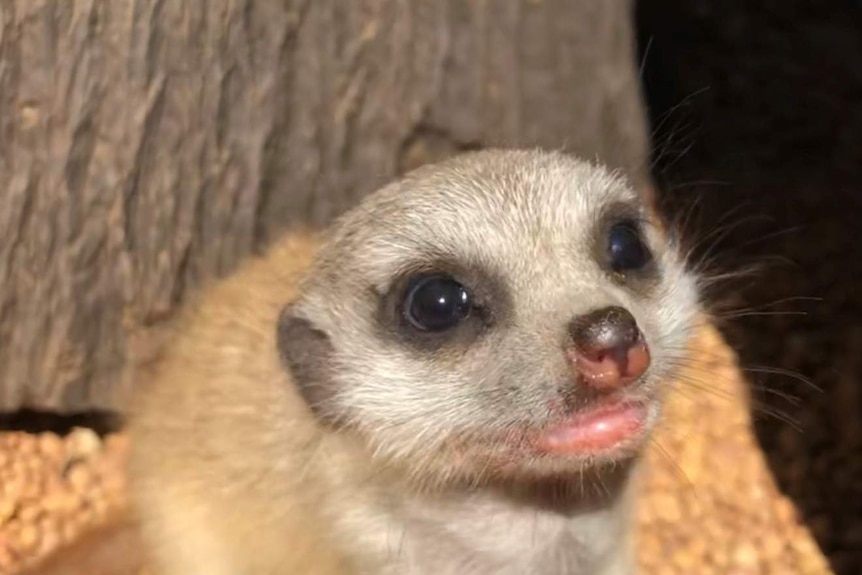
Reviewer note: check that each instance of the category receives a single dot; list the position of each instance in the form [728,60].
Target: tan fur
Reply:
[206,408]
[234,474]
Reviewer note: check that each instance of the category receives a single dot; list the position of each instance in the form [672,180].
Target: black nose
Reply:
[608,350]
[610,328]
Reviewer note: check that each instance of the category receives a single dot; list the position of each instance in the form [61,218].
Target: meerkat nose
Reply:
[609,350]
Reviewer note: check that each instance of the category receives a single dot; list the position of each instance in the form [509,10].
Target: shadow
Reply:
[30,421]
[756,111]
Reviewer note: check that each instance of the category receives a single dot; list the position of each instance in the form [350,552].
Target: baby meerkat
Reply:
[458,380]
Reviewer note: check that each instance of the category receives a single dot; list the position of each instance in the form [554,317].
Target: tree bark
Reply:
[148,145]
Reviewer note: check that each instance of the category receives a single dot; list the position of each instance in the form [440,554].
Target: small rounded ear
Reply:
[307,353]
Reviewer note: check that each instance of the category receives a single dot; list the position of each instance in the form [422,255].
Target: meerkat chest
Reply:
[483,536]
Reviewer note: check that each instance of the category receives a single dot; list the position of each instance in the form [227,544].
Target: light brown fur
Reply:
[249,504]
[256,453]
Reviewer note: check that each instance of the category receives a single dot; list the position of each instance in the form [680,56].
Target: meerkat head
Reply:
[501,314]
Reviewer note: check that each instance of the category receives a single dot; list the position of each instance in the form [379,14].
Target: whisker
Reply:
[690,364]
[760,313]
[677,469]
[755,405]
[785,372]
[642,66]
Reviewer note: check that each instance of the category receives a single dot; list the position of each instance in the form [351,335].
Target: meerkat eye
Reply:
[626,249]
[436,303]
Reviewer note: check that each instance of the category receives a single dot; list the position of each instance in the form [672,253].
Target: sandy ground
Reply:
[710,505]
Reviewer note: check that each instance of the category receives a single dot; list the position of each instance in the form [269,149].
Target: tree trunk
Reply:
[147,145]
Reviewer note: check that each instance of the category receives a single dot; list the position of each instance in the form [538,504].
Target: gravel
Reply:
[710,504]
[53,487]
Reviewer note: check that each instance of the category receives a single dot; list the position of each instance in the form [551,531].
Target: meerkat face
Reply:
[504,313]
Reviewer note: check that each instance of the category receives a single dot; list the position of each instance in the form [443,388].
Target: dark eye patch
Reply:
[621,247]
[436,303]
[627,250]
[442,304]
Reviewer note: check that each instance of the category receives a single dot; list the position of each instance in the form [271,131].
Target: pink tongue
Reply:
[594,431]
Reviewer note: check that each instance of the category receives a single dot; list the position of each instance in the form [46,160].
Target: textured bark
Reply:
[147,145]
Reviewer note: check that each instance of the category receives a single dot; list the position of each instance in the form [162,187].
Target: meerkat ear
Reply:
[306,352]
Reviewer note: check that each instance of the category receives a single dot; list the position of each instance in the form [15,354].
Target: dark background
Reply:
[756,115]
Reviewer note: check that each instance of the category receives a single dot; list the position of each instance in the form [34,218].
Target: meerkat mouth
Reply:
[602,428]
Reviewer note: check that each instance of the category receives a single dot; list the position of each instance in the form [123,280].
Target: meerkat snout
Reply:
[608,349]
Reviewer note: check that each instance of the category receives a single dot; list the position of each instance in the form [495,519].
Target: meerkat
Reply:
[457,378]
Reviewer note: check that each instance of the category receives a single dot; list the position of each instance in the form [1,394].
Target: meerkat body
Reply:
[428,390]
